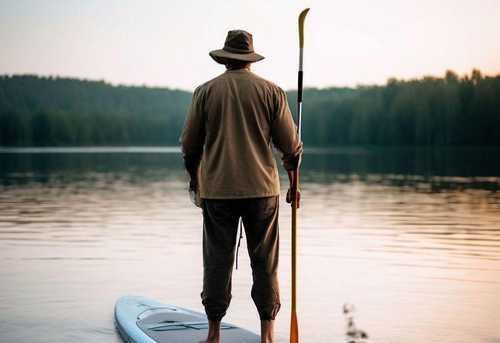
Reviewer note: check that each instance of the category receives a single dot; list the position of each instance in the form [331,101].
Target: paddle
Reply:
[294,327]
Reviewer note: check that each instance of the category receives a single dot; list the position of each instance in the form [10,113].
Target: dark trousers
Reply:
[220,226]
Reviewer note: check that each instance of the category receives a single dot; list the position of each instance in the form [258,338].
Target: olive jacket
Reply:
[232,125]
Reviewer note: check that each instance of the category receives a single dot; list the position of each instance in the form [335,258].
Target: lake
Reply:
[409,237]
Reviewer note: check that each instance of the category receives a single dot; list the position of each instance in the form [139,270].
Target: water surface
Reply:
[410,237]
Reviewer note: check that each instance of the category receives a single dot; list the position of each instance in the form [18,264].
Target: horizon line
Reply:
[149,86]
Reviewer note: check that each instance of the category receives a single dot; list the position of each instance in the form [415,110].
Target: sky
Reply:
[166,43]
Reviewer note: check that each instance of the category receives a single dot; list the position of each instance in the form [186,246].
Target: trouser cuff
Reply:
[215,317]
[269,313]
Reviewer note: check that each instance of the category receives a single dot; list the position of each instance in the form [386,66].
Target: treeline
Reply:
[41,111]
[430,111]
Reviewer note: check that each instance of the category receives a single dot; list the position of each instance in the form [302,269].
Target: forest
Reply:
[451,110]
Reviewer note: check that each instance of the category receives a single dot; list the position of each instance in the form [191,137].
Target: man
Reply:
[233,121]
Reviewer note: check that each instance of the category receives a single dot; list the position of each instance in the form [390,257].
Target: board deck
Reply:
[142,320]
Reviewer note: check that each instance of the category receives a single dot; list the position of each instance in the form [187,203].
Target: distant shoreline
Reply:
[453,111]
[353,150]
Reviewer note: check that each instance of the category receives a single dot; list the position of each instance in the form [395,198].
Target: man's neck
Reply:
[237,68]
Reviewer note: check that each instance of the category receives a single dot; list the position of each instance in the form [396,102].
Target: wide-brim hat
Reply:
[238,46]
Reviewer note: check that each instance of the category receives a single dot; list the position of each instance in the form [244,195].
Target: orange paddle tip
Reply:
[294,329]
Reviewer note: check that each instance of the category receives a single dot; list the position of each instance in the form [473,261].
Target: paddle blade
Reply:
[302,18]
[294,329]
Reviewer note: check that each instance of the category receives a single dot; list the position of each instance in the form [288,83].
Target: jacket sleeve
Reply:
[284,132]
[193,135]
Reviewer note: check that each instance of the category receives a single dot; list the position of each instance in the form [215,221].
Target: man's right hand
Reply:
[193,185]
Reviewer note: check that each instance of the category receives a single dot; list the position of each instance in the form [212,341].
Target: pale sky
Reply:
[166,43]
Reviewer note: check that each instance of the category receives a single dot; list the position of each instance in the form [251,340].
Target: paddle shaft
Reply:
[294,327]
[295,188]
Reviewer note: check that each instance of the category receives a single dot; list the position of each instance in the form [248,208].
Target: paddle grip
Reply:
[299,92]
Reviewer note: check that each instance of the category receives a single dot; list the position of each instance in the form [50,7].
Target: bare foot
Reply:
[213,332]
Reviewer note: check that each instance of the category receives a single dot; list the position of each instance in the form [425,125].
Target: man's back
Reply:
[237,116]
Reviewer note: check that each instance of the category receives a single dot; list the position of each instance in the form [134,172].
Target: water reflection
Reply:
[416,245]
[420,169]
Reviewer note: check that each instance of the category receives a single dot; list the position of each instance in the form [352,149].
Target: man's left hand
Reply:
[289,196]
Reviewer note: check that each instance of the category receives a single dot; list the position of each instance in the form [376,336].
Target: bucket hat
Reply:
[238,46]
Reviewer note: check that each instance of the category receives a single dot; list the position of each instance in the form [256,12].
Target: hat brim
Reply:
[221,56]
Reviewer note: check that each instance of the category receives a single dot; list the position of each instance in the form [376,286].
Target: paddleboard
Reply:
[142,320]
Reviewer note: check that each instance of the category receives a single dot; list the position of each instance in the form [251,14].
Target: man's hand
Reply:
[194,192]
[289,196]
[193,185]
[293,177]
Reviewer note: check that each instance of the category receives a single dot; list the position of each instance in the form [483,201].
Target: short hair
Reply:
[236,64]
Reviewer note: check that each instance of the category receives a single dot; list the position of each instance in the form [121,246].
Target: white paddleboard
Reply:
[142,320]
